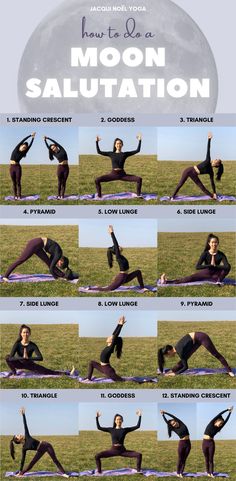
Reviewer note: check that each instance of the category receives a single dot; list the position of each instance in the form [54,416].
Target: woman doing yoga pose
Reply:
[208,443]
[18,153]
[212,265]
[118,159]
[31,444]
[41,246]
[185,348]
[184,446]
[27,353]
[118,434]
[114,342]
[205,167]
[56,150]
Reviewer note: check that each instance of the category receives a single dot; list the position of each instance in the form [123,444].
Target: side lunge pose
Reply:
[208,443]
[18,153]
[212,265]
[56,150]
[31,444]
[205,167]
[185,348]
[118,434]
[118,159]
[114,342]
[184,446]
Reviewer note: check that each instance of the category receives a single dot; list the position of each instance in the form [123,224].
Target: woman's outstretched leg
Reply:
[136,274]
[184,178]
[32,247]
[133,454]
[30,366]
[133,178]
[206,341]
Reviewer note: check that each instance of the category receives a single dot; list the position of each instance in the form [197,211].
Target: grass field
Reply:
[66,448]
[178,254]
[94,269]
[138,359]
[48,184]
[169,174]
[59,347]
[223,335]
[92,166]
[18,236]
[30,183]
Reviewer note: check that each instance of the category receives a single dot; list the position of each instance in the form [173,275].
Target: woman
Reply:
[56,150]
[208,443]
[212,264]
[185,348]
[118,434]
[27,353]
[123,277]
[205,167]
[41,246]
[118,159]
[184,446]
[31,444]
[18,153]
[114,342]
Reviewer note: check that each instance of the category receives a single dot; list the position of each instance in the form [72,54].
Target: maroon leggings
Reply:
[191,173]
[108,370]
[118,175]
[43,448]
[122,278]
[62,174]
[207,274]
[34,246]
[208,448]
[30,366]
[184,448]
[118,451]
[15,173]
[202,339]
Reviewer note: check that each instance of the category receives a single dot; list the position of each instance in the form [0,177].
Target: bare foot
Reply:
[163,278]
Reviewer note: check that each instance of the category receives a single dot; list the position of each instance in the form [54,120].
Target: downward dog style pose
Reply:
[114,342]
[208,443]
[56,150]
[31,444]
[184,446]
[118,437]
[27,353]
[185,348]
[118,159]
[18,153]
[41,246]
[205,167]
[212,264]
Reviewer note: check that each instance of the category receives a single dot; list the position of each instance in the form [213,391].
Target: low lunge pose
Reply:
[41,247]
[185,348]
[31,444]
[184,446]
[18,153]
[208,443]
[56,150]
[118,434]
[114,342]
[24,353]
[212,265]
[118,159]
[205,167]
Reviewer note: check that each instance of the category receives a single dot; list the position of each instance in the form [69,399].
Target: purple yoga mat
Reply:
[226,282]
[24,197]
[41,474]
[194,198]
[21,374]
[114,472]
[66,197]
[87,289]
[138,379]
[203,371]
[33,278]
[119,196]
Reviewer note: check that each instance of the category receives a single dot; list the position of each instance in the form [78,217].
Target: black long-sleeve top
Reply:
[181,430]
[30,443]
[205,167]
[108,350]
[31,348]
[16,154]
[118,434]
[211,430]
[221,261]
[122,261]
[184,349]
[53,248]
[61,154]
[118,158]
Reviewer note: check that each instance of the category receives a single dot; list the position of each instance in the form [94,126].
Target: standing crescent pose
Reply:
[17,154]
[205,167]
[118,159]
[118,434]
[56,150]
[184,446]
[31,444]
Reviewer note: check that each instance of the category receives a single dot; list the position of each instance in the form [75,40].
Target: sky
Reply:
[186,412]
[207,411]
[199,224]
[102,323]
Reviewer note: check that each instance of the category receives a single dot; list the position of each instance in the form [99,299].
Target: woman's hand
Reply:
[44,137]
[139,412]
[231,409]
[98,414]
[169,374]
[22,411]
[33,134]
[25,355]
[122,320]
[139,137]
[210,135]
[162,412]
[98,139]
[110,229]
